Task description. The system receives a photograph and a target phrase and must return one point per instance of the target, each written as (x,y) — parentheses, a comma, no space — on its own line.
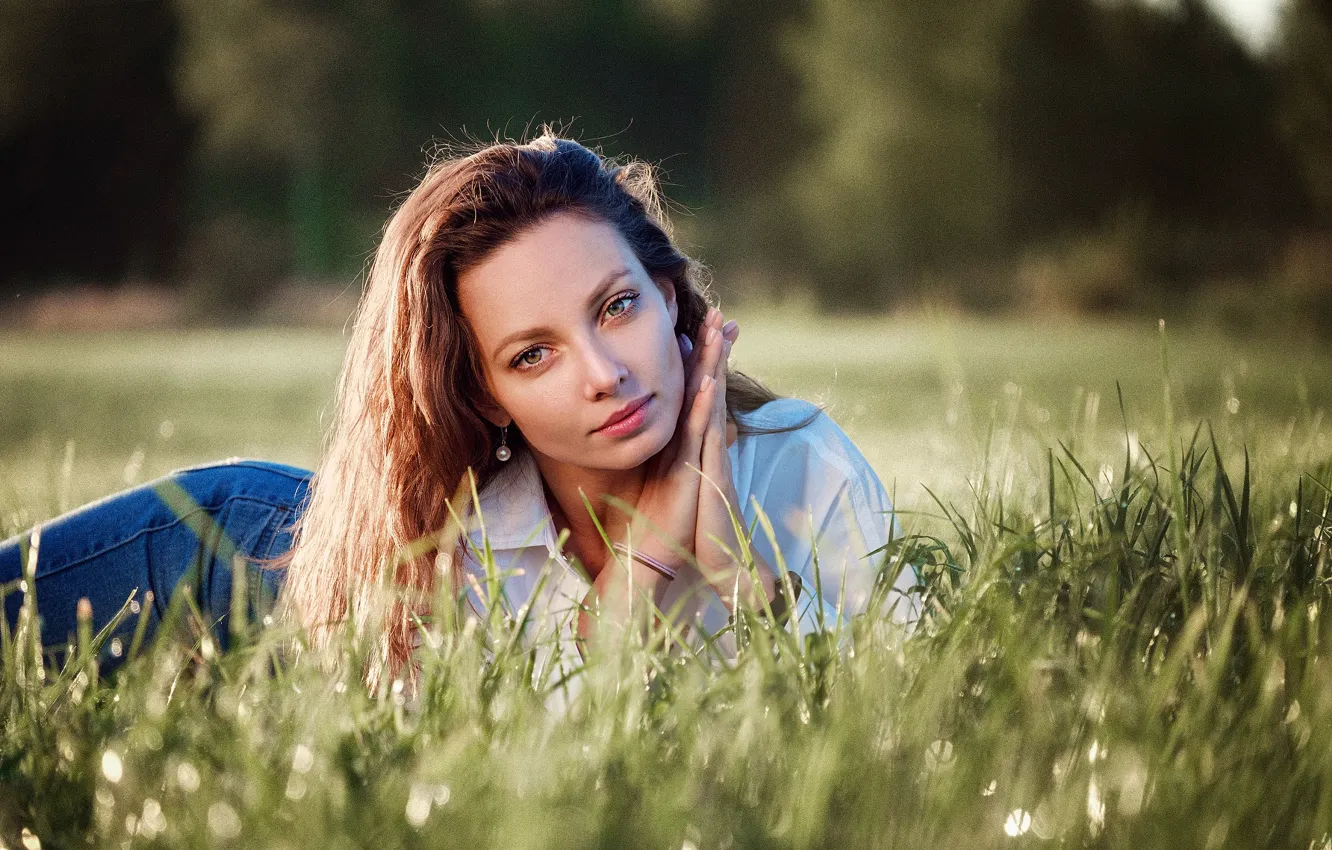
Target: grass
(1123,646)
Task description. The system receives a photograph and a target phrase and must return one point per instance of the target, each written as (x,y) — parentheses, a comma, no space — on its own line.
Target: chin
(640,451)
(635,452)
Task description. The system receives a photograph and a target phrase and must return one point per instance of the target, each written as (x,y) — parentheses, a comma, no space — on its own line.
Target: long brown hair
(407,427)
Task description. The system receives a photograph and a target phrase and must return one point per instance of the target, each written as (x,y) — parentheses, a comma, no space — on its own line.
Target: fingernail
(729,327)
(712,336)
(706,383)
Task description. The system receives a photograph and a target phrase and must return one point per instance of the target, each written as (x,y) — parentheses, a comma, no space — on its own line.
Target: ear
(667,287)
(493,414)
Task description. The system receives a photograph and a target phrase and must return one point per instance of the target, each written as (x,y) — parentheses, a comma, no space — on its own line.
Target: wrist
(664,569)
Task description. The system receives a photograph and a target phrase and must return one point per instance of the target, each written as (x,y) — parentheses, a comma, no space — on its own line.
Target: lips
(624,412)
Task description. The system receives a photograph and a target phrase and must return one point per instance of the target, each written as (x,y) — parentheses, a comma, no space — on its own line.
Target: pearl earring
(503,452)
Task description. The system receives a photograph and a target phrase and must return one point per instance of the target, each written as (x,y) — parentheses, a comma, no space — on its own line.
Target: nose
(603,370)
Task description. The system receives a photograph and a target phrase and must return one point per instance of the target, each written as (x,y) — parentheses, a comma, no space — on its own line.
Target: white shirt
(812,483)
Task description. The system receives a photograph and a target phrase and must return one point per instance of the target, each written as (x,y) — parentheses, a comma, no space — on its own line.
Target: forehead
(545,273)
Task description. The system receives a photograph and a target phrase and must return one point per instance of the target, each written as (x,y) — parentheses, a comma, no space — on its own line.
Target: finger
(699,361)
(700,414)
(715,434)
(686,348)
(705,356)
(719,401)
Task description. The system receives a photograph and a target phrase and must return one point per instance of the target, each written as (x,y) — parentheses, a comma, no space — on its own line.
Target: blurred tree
(315,114)
(1304,278)
(93,144)
(867,150)
(906,176)
(1306,117)
(754,139)
(956,136)
(1157,113)
(277,87)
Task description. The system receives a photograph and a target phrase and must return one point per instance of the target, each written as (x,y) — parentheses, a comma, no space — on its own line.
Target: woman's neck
(564,488)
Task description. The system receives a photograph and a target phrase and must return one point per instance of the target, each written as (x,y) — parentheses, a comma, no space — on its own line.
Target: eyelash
(628,295)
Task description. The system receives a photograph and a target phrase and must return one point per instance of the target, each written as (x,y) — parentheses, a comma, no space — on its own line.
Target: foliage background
(1014,155)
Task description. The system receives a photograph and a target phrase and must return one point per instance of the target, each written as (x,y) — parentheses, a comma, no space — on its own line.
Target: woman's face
(571,331)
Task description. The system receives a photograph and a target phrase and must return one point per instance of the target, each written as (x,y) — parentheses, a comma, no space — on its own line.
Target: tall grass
(1125,659)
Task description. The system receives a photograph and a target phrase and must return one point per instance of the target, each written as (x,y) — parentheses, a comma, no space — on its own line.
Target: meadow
(1124,548)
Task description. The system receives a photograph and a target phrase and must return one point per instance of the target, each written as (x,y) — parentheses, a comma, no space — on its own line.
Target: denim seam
(143,531)
(262,466)
(274,530)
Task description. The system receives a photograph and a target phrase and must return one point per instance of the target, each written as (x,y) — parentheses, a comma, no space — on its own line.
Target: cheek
(559,411)
(673,380)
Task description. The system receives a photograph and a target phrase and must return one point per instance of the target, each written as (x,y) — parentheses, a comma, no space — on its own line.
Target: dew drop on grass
(1095,808)
(1132,788)
(104,803)
(112,767)
(187,777)
(1018,823)
(152,821)
(1232,405)
(296,787)
(302,759)
(117,647)
(419,802)
(1106,476)
(166,429)
(223,820)
(134,466)
(30,840)
(1293,713)
(988,790)
(939,754)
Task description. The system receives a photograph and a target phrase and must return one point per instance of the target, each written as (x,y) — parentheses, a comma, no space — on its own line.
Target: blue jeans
(187,526)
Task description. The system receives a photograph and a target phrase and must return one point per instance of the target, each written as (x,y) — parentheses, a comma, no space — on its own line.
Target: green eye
(626,300)
(526,358)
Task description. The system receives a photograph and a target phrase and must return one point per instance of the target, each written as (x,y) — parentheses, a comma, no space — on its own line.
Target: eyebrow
(545,330)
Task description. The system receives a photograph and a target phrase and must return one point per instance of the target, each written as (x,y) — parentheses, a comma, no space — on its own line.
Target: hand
(730,333)
(717,545)
(664,521)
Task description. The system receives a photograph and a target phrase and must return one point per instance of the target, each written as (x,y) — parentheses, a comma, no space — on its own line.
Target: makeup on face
(627,420)
(579,344)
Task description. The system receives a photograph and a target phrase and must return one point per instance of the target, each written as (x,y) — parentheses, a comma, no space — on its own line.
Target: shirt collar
(513,507)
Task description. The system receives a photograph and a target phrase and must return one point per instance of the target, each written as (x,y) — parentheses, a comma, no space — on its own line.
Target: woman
(526,318)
